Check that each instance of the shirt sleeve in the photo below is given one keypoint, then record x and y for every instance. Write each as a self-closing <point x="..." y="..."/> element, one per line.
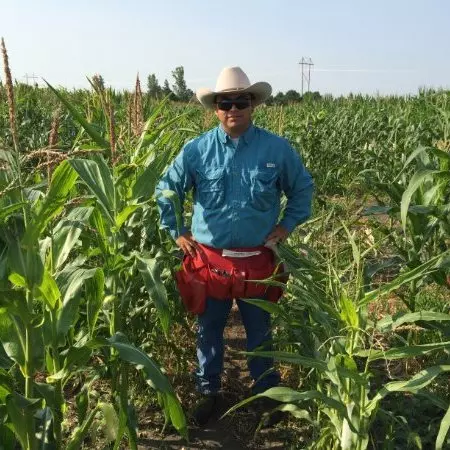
<point x="178" y="179"/>
<point x="297" y="184"/>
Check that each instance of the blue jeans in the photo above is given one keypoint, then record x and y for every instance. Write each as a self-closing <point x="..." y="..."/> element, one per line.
<point x="210" y="350"/>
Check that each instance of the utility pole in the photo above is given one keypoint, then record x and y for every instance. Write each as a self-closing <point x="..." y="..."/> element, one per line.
<point x="306" y="75"/>
<point x="30" y="77"/>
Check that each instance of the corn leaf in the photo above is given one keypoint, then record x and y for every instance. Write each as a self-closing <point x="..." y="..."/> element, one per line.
<point x="349" y="315"/>
<point x="149" y="124"/>
<point x="128" y="352"/>
<point x="76" y="356"/>
<point x="76" y="440"/>
<point x="407" y="276"/>
<point x="151" y="274"/>
<point x="176" y="414"/>
<point x="288" y="395"/>
<point x="95" y="292"/>
<point x="412" y="157"/>
<point x="71" y="280"/>
<point x="90" y="130"/>
<point x="313" y="363"/>
<point x="98" y="178"/>
<point x="146" y="182"/>
<point x="172" y="196"/>
<point x="6" y="211"/>
<point x="14" y="302"/>
<point x="102" y="231"/>
<point x="413" y="385"/>
<point x="19" y="408"/>
<point x="155" y="377"/>
<point x="416" y="181"/>
<point x="388" y="323"/>
<point x="49" y="290"/>
<point x="410" y="351"/>
<point x="124" y="214"/>
<point x="63" y="180"/>
<point x="443" y="431"/>
<point x="66" y="234"/>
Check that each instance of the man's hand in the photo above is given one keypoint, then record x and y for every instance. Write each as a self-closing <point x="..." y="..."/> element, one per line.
<point x="187" y="244"/>
<point x="278" y="234"/>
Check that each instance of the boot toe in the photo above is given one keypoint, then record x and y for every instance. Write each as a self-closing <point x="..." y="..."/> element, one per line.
<point x="205" y="409"/>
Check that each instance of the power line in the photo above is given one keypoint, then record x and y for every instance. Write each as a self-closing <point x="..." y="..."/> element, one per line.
<point x="306" y="64"/>
<point x="30" y="77"/>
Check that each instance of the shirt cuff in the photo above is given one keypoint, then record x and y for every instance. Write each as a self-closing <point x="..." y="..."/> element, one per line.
<point x="289" y="224"/>
<point x="177" y="233"/>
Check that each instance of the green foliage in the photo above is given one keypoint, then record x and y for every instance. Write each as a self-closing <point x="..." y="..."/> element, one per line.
<point x="68" y="266"/>
<point x="180" y="88"/>
<point x="153" y="88"/>
<point x="326" y="326"/>
<point x="87" y="276"/>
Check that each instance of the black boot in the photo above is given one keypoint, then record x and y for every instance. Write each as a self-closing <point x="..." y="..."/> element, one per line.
<point x="204" y="409"/>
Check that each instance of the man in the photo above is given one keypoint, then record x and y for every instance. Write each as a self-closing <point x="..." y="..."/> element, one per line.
<point x="238" y="173"/>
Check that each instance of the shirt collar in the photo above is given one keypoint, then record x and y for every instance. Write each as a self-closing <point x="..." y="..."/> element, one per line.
<point x="247" y="136"/>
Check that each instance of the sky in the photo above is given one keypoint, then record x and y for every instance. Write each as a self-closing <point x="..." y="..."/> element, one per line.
<point x="360" y="46"/>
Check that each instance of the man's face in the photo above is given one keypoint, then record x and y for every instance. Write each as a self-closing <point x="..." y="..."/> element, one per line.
<point x="234" y="120"/>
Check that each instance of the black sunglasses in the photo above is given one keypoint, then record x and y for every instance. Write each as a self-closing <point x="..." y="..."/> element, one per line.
<point x="227" y="103"/>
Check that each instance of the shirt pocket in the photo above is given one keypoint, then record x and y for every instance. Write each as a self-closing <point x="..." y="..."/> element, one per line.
<point x="264" y="189"/>
<point x="211" y="188"/>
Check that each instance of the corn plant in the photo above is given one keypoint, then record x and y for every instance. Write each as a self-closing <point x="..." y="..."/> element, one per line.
<point x="332" y="337"/>
<point x="420" y="202"/>
<point x="45" y="288"/>
<point x="119" y="195"/>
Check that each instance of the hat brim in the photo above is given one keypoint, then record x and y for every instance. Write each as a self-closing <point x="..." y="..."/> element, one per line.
<point x="261" y="91"/>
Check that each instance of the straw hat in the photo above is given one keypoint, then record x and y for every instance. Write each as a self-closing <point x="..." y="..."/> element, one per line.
<point x="233" y="80"/>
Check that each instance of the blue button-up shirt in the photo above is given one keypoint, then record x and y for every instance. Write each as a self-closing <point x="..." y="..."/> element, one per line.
<point x="236" y="189"/>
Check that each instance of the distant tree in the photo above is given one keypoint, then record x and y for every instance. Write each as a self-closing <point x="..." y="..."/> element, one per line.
<point x="167" y="91"/>
<point x="153" y="88"/>
<point x="180" y="88"/>
<point x="98" y="82"/>
<point x="312" y="96"/>
<point x="292" y="96"/>
<point x="190" y="94"/>
<point x="269" y="101"/>
<point x="279" y="99"/>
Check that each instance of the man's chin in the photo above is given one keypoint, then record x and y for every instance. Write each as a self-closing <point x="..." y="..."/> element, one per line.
<point x="237" y="125"/>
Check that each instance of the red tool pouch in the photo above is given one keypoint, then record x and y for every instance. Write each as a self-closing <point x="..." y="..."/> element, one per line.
<point x="210" y="274"/>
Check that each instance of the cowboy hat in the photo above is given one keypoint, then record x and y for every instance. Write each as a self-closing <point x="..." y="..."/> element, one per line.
<point x="233" y="80"/>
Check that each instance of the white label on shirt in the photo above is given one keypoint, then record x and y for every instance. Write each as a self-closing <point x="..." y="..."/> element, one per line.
<point x="234" y="254"/>
<point x="270" y="165"/>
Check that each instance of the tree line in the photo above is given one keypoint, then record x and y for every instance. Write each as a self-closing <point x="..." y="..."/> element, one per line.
<point x="181" y="93"/>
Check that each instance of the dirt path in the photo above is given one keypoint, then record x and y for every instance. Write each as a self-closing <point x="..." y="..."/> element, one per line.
<point x="233" y="432"/>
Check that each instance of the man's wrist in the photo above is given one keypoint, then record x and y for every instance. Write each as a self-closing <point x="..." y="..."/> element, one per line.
<point x="288" y="224"/>
<point x="178" y="232"/>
